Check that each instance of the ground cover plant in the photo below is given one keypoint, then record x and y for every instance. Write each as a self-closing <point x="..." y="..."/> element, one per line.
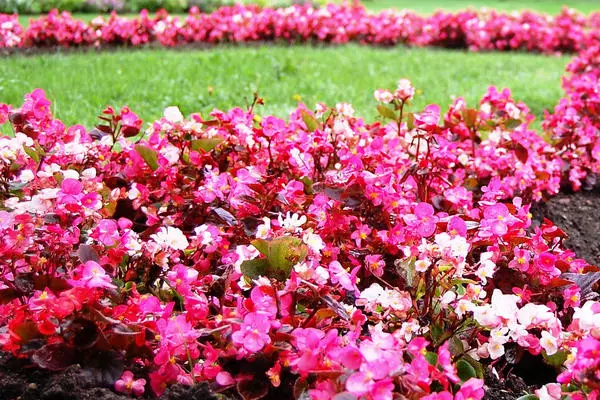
<point x="319" y="256"/>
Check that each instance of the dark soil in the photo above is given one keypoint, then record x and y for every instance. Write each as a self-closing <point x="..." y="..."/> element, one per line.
<point x="578" y="214"/>
<point x="19" y="380"/>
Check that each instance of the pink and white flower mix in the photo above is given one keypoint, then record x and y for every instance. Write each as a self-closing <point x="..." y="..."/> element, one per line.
<point x="569" y="31"/>
<point x="319" y="255"/>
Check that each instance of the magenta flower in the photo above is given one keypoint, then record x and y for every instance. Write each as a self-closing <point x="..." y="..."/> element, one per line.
<point x="182" y="278"/>
<point x="92" y="275"/>
<point x="521" y="260"/>
<point x="375" y="264"/>
<point x="254" y="332"/>
<point x="130" y="386"/>
<point x="497" y="216"/>
<point x="456" y="226"/>
<point x="546" y="262"/>
<point x="360" y="234"/>
<point x="423" y="221"/>
<point x="470" y="390"/>
<point x="70" y="192"/>
<point x="107" y="232"/>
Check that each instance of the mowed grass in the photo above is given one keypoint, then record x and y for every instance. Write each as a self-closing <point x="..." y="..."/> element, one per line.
<point x="428" y="6"/>
<point x="80" y="85"/>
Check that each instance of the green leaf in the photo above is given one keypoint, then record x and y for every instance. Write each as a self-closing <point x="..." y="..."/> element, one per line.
<point x="455" y="346"/>
<point x="479" y="370"/>
<point x="255" y="268"/>
<point x="436" y="332"/>
<point x="431" y="357"/>
<point x="528" y="397"/>
<point x="31" y="152"/>
<point x="386" y="112"/>
<point x="465" y="370"/>
<point x="148" y="155"/>
<point x="308" y="185"/>
<point x="557" y="359"/>
<point x="410" y="121"/>
<point x="206" y="144"/>
<point x="512" y="123"/>
<point x="285" y="252"/>
<point x="261" y="245"/>
<point x="311" y="122"/>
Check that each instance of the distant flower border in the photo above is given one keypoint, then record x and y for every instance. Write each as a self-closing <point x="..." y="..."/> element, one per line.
<point x="566" y="32"/>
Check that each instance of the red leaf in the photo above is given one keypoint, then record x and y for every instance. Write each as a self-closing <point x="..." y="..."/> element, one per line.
<point x="521" y="153"/>
<point x="54" y="357"/>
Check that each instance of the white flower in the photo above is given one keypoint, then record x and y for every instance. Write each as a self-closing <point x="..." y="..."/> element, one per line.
<point x="462" y="307"/>
<point x="203" y="234"/>
<point x="549" y="343"/>
<point x="487" y="267"/>
<point x="70" y="174"/>
<point x="292" y="222"/>
<point x="345" y="109"/>
<point x="133" y="193"/>
<point x="499" y="335"/>
<point x="26" y="176"/>
<point x="586" y="316"/>
<point x="551" y="391"/>
<point x="173" y="114"/>
<point x="313" y="241"/>
<point x="422" y="265"/>
<point x="495" y="349"/>
<point x="170" y="237"/>
<point x="263" y="230"/>
<point x="448" y="298"/>
<point x="383" y="96"/>
<point x="504" y="305"/>
<point x="533" y="314"/>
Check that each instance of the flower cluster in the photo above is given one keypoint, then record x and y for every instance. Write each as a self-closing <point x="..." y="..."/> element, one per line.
<point x="567" y="32"/>
<point x="318" y="255"/>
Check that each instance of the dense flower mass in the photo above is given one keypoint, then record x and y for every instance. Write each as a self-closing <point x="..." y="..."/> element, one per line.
<point x="569" y="31"/>
<point x="318" y="255"/>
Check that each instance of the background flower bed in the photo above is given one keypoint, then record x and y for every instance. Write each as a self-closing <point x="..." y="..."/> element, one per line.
<point x="567" y="32"/>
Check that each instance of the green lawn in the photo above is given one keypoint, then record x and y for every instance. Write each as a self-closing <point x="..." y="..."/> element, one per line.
<point x="428" y="6"/>
<point x="80" y="85"/>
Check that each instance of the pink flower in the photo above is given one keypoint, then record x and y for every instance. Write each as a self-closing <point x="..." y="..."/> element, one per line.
<point x="456" y="226"/>
<point x="70" y="192"/>
<point x="521" y="260"/>
<point x="497" y="216"/>
<point x="128" y="385"/>
<point x="405" y="90"/>
<point x="470" y="390"/>
<point x="384" y="96"/>
<point x="182" y="278"/>
<point x="546" y="262"/>
<point x="375" y="264"/>
<point x="254" y="332"/>
<point x="107" y="232"/>
<point x="93" y="201"/>
<point x="130" y="122"/>
<point x="362" y="233"/>
<point x="92" y="275"/>
<point x="423" y="220"/>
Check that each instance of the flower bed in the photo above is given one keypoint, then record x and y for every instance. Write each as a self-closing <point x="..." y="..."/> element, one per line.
<point x="314" y="256"/>
<point x="569" y="31"/>
<point x="318" y="255"/>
